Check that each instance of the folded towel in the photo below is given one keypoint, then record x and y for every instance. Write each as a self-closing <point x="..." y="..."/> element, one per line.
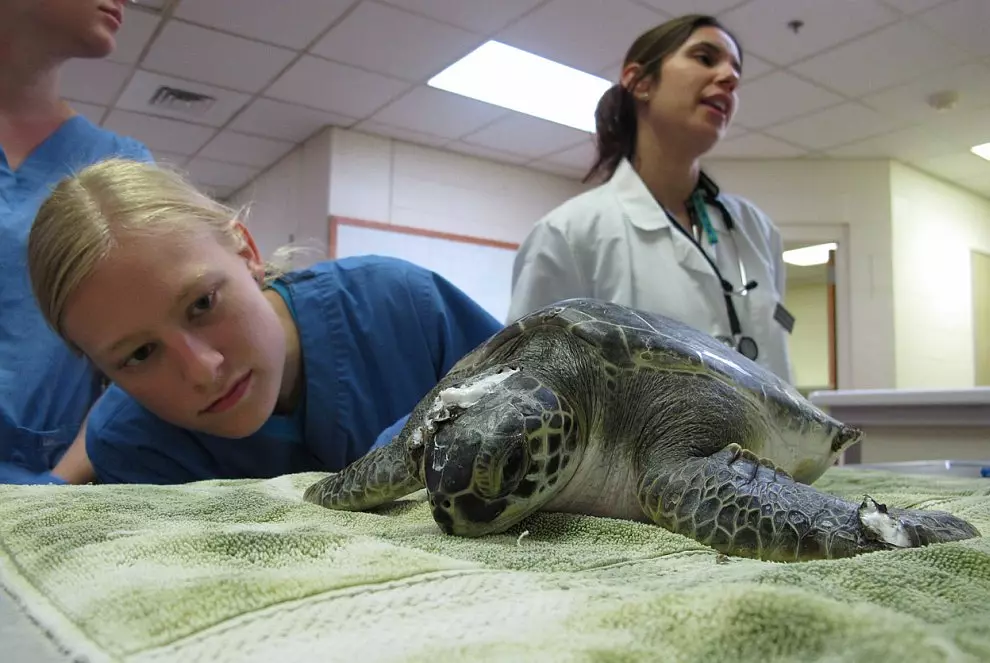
<point x="245" y="571"/>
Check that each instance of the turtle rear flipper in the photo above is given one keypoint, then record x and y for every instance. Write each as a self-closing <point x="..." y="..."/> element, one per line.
<point x="742" y="505"/>
<point x="380" y="476"/>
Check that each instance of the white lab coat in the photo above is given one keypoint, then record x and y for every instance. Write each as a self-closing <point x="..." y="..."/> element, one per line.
<point x="616" y="243"/>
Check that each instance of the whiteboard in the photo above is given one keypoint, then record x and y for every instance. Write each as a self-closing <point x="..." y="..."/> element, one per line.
<point x="482" y="271"/>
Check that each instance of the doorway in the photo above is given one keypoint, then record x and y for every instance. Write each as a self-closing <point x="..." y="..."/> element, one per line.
<point x="810" y="297"/>
<point x="981" y="318"/>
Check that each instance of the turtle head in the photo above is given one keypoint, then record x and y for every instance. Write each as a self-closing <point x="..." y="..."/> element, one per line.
<point x="489" y="464"/>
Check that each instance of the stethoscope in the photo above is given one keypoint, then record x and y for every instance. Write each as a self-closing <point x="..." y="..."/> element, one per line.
<point x="707" y="192"/>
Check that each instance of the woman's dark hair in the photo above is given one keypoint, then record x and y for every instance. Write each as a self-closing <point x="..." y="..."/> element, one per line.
<point x="615" y="116"/>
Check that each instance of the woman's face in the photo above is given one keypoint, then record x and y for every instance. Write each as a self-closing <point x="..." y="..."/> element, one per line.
<point x="177" y="320"/>
<point x="63" y="28"/>
<point x="695" y="98"/>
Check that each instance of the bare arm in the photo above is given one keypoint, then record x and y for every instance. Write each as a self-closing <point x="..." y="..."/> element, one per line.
<point x="74" y="467"/>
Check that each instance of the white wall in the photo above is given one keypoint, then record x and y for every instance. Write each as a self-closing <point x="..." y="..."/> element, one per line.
<point x="380" y="179"/>
<point x="935" y="226"/>
<point x="288" y="203"/>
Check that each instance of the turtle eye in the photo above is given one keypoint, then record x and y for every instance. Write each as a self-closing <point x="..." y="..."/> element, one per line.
<point x="512" y="470"/>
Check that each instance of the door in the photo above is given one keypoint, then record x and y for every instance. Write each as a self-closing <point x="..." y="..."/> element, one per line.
<point x="981" y="318"/>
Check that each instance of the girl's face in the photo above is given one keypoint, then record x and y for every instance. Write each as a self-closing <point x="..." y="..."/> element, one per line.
<point x="178" y="320"/>
<point x="695" y="98"/>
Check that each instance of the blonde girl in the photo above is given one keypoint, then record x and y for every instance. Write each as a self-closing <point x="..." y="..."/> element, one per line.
<point x="221" y="366"/>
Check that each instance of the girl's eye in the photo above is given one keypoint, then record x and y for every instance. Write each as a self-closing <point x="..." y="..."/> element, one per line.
<point x="204" y="303"/>
<point x="139" y="355"/>
<point x="706" y="59"/>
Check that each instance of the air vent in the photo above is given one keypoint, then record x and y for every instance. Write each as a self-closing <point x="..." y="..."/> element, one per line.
<point x="181" y="101"/>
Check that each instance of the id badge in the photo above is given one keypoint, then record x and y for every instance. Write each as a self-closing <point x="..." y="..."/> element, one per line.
<point x="784" y="317"/>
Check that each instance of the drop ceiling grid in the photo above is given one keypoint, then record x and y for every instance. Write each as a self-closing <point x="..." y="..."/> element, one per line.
<point x="850" y="87"/>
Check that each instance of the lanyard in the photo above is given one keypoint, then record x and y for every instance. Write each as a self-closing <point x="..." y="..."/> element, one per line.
<point x="699" y="216"/>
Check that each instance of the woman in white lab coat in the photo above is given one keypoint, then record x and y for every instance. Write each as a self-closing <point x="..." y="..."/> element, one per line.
<point x="658" y="235"/>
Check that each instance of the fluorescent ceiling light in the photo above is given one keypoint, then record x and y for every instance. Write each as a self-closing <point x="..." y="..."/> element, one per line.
<point x="515" y="79"/>
<point x="981" y="150"/>
<point x="809" y="255"/>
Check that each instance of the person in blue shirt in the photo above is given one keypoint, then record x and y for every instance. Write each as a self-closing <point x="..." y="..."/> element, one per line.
<point x="224" y="366"/>
<point x="45" y="391"/>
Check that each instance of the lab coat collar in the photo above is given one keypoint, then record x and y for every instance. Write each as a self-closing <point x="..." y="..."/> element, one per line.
<point x="642" y="210"/>
<point x="638" y="204"/>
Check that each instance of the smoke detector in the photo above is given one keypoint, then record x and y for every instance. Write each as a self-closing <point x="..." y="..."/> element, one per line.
<point x="181" y="101"/>
<point x="943" y="100"/>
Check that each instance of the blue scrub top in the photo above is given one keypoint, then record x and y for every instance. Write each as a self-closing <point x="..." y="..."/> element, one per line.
<point x="376" y="335"/>
<point x="45" y="390"/>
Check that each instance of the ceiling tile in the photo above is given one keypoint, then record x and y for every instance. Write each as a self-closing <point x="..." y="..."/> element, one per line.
<point x="779" y="96"/>
<point x="219" y="174"/>
<point x="137" y="94"/>
<point x="94" y="81"/>
<point x="91" y="112"/>
<point x="563" y="170"/>
<point x="291" y="23"/>
<point x="889" y="57"/>
<point x="963" y="22"/>
<point x="833" y="126"/>
<point x="275" y="119"/>
<point x="910" y="101"/>
<point x="753" y="67"/>
<point x="158" y="133"/>
<point x="680" y="7"/>
<point x="394" y="42"/>
<point x="761" y="25"/>
<point x="911" y="6"/>
<point x="168" y="158"/>
<point x="335" y="87"/>
<point x="438" y="113"/>
<point x="963" y="128"/>
<point x="399" y="133"/>
<point x="912" y="144"/>
<point x="232" y="147"/>
<point x="753" y="146"/>
<point x="581" y="156"/>
<point x="481" y="16"/>
<point x="959" y="166"/>
<point x="212" y="57"/>
<point x="486" y="153"/>
<point x="138" y="27"/>
<point x="584" y="34"/>
<point x="527" y="136"/>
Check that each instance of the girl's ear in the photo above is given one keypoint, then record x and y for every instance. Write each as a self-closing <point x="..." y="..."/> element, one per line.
<point x="249" y="251"/>
<point x="641" y="90"/>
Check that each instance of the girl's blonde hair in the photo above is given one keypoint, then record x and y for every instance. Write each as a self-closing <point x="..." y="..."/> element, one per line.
<point x="77" y="225"/>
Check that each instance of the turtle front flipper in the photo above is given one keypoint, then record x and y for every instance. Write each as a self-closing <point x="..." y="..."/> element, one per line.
<point x="742" y="505"/>
<point x="380" y="476"/>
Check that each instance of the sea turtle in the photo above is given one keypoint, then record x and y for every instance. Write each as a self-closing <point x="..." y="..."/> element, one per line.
<point x="593" y="408"/>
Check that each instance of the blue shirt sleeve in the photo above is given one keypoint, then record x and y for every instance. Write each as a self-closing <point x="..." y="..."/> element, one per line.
<point x="127" y="444"/>
<point x="453" y="323"/>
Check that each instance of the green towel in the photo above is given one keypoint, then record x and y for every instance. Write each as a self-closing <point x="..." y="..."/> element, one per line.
<point x="245" y="571"/>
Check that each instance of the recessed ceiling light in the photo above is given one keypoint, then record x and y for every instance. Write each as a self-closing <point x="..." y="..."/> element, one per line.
<point x="518" y="80"/>
<point x="981" y="150"/>
<point x="809" y="255"/>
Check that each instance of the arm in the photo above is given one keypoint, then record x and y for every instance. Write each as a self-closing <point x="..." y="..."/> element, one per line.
<point x="74" y="466"/>
<point x="545" y="271"/>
